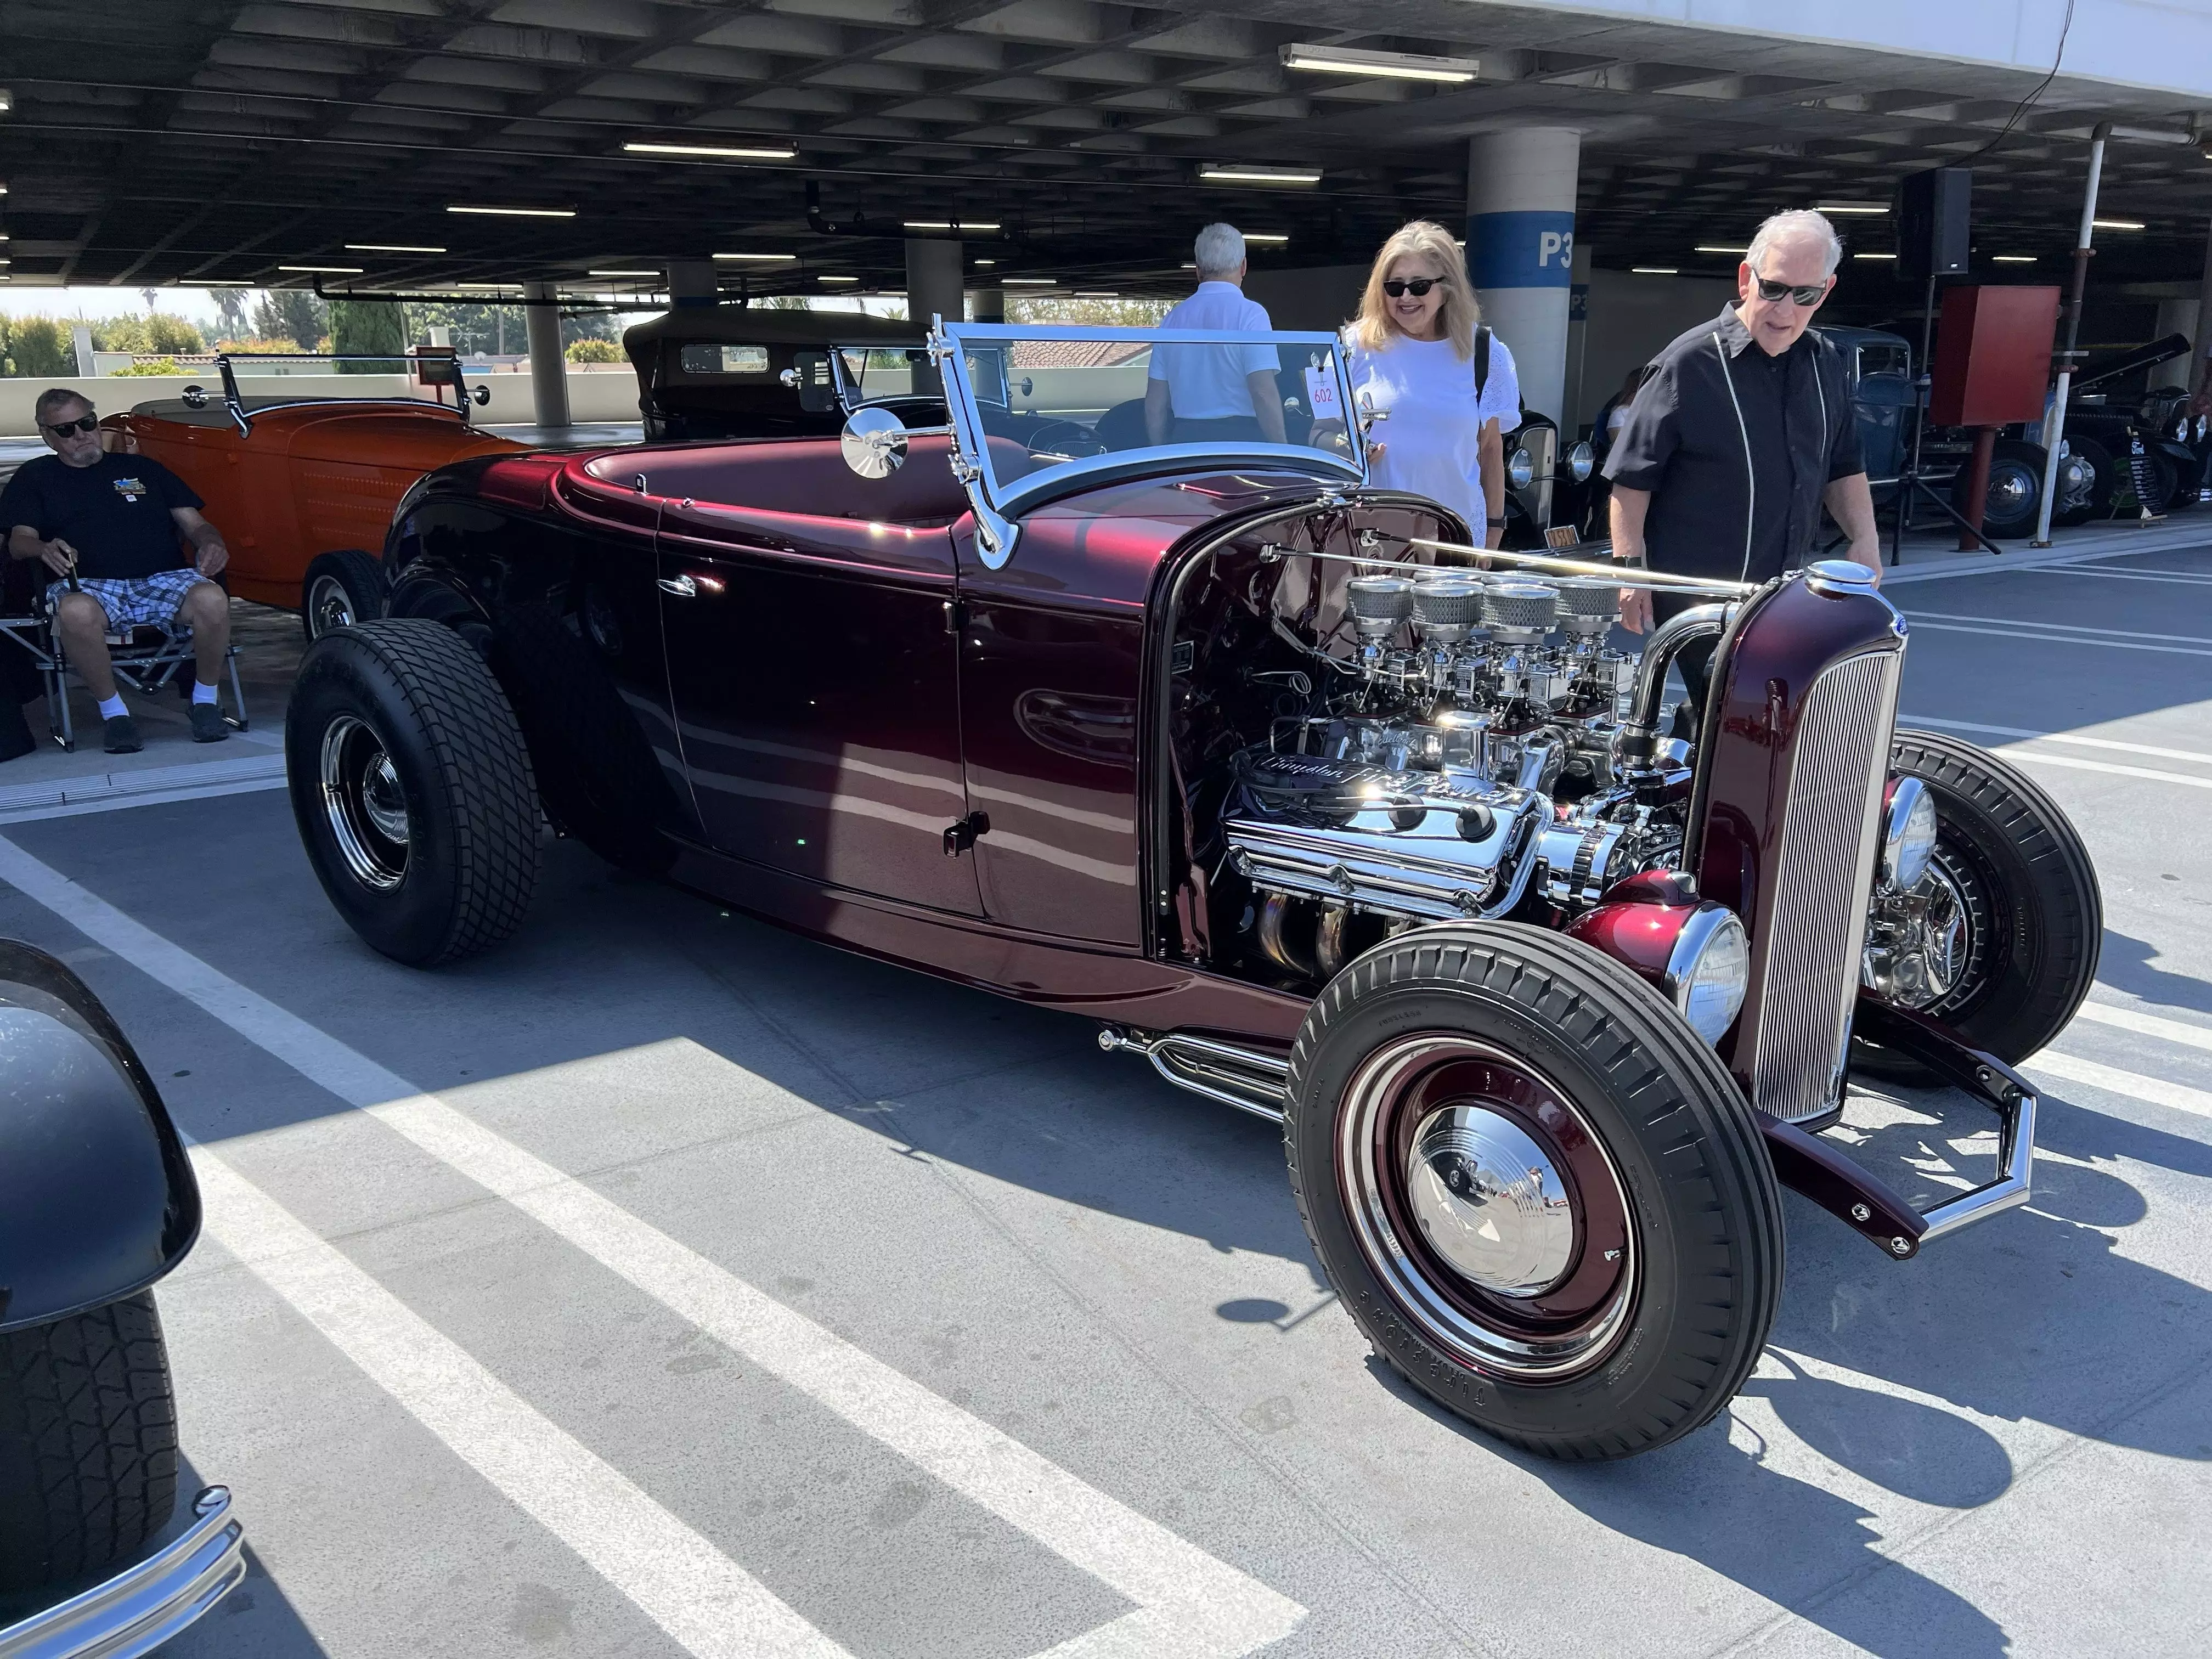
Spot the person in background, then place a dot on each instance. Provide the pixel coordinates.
(1741, 433)
(111, 529)
(1207, 393)
(1612, 415)
(1438, 381)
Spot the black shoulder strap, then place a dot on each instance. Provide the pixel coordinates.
(1481, 359)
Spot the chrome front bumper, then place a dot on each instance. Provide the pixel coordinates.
(144, 1605)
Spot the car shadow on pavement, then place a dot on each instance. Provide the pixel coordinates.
(2127, 965)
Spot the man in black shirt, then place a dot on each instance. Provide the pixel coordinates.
(108, 526)
(1741, 435)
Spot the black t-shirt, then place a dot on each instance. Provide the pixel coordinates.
(1735, 447)
(115, 514)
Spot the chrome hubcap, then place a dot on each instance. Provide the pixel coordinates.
(329, 606)
(1921, 941)
(364, 803)
(1489, 1202)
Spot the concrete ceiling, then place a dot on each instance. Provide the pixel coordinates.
(186, 141)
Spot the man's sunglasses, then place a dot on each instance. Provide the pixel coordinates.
(1417, 287)
(1770, 289)
(82, 423)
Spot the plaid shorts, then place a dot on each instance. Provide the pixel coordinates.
(137, 601)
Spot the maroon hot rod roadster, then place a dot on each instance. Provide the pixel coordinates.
(1219, 744)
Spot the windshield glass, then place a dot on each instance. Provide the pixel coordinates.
(1039, 405)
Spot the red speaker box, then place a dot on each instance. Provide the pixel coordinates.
(1993, 355)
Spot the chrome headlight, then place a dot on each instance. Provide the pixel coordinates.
(1709, 970)
(1908, 839)
(2075, 474)
(2181, 430)
(1580, 462)
(1521, 469)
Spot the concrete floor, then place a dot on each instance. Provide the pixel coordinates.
(1061, 1353)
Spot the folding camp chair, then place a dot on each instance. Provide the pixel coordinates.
(146, 659)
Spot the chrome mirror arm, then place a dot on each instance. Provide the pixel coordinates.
(995, 532)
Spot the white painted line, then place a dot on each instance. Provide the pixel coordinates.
(2077, 740)
(702, 1598)
(1190, 1606)
(2172, 578)
(2019, 634)
(2154, 1089)
(2150, 1025)
(144, 780)
(2149, 574)
(120, 803)
(2066, 628)
(2075, 762)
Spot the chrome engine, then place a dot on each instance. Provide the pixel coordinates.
(1468, 762)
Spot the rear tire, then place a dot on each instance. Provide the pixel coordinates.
(412, 790)
(2029, 919)
(1629, 1331)
(88, 1443)
(340, 590)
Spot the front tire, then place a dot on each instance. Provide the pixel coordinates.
(340, 590)
(2013, 499)
(412, 790)
(2000, 939)
(88, 1443)
(1539, 1196)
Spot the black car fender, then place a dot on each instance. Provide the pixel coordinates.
(97, 1196)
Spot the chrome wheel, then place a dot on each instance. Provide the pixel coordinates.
(329, 606)
(363, 799)
(1924, 945)
(1488, 1209)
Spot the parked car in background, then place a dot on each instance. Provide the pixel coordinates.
(302, 486)
(733, 371)
(97, 1204)
(1212, 742)
(2144, 447)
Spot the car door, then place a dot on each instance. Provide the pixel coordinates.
(815, 677)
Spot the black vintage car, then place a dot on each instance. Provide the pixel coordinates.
(731, 371)
(97, 1203)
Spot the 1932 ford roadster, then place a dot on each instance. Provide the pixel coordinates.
(1220, 745)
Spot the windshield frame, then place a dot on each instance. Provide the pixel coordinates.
(1008, 499)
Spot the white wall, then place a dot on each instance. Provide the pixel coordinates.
(2165, 45)
(607, 394)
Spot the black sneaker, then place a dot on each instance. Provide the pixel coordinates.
(207, 723)
(123, 735)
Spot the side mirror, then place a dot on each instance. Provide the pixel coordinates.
(1029, 386)
(788, 379)
(874, 441)
(482, 396)
(1581, 461)
(195, 397)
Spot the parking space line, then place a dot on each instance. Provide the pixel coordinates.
(677, 1579)
(1189, 1605)
(2156, 1090)
(2017, 633)
(2182, 578)
(2143, 1024)
(2077, 741)
(2075, 762)
(2059, 627)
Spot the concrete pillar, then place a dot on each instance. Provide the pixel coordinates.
(990, 305)
(2200, 360)
(932, 279)
(549, 369)
(1521, 249)
(1579, 405)
(84, 365)
(691, 283)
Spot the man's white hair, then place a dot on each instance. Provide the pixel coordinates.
(1798, 225)
(1219, 251)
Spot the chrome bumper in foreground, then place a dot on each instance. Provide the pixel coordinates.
(142, 1606)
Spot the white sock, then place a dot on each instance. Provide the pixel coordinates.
(203, 692)
(113, 707)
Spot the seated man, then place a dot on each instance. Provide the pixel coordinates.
(107, 528)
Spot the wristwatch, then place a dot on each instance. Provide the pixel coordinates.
(1495, 524)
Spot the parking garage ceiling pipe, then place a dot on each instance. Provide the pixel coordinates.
(2055, 435)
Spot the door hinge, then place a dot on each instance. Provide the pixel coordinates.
(956, 615)
(959, 838)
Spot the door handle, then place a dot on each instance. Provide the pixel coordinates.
(681, 587)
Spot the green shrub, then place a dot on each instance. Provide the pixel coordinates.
(594, 351)
(40, 348)
(155, 365)
(368, 328)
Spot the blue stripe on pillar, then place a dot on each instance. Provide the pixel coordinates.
(1521, 250)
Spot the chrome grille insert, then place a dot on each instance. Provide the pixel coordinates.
(1809, 973)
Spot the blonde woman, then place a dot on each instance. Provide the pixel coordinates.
(1419, 357)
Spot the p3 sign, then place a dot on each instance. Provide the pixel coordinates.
(1521, 250)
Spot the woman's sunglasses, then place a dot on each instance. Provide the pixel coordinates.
(1770, 289)
(82, 423)
(1417, 287)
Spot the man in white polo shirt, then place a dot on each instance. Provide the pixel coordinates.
(1207, 393)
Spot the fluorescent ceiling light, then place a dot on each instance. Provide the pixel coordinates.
(1653, 270)
(512, 212)
(1030, 281)
(389, 247)
(980, 263)
(2015, 258)
(2117, 224)
(1094, 293)
(951, 224)
(1391, 65)
(622, 273)
(323, 271)
(1272, 238)
(1705, 248)
(727, 152)
(220, 281)
(1240, 172)
(836, 279)
(1852, 207)
(1874, 256)
(490, 285)
(762, 258)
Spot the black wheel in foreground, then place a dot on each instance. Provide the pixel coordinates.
(2000, 938)
(1538, 1193)
(341, 589)
(88, 1443)
(412, 789)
